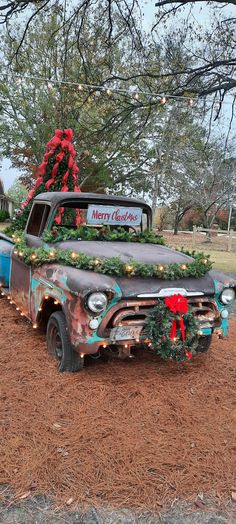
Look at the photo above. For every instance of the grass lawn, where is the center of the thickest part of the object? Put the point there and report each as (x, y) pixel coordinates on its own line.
(224, 261)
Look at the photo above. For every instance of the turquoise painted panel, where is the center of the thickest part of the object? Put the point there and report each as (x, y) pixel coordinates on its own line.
(206, 331)
(5, 264)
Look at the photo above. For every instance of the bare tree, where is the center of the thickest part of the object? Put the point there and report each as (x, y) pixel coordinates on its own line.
(210, 62)
(213, 53)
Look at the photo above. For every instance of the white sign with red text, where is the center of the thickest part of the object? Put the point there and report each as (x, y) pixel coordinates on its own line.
(114, 215)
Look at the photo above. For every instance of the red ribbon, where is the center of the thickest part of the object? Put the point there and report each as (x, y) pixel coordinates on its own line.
(57, 218)
(65, 177)
(55, 170)
(48, 154)
(70, 162)
(38, 182)
(79, 217)
(42, 168)
(75, 169)
(53, 143)
(174, 328)
(178, 305)
(31, 194)
(49, 183)
(188, 354)
(65, 144)
(71, 150)
(60, 156)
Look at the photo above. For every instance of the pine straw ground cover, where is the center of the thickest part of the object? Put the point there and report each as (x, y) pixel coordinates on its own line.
(137, 434)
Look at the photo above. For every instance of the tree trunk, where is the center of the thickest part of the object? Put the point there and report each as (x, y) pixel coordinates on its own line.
(206, 225)
(156, 192)
(176, 224)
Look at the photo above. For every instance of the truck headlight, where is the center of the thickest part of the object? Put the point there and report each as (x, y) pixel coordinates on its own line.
(97, 302)
(227, 296)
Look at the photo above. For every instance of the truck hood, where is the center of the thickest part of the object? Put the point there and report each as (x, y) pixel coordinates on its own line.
(148, 286)
(81, 281)
(146, 253)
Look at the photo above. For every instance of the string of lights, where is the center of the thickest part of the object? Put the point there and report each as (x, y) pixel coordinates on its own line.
(133, 93)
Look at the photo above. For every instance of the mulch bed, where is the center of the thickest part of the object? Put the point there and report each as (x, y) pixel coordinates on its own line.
(134, 434)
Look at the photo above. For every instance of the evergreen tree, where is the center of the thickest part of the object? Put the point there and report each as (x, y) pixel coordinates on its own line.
(57, 172)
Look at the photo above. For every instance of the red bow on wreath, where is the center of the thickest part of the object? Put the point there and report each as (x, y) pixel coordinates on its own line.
(178, 305)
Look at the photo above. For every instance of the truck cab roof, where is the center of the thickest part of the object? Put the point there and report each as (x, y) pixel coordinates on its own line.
(59, 197)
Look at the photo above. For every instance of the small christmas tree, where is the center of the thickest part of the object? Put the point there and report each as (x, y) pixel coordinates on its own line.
(58, 172)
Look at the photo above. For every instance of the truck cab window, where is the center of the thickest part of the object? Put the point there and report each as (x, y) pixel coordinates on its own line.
(38, 219)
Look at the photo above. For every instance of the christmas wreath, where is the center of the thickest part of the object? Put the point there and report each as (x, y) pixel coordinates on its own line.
(172, 329)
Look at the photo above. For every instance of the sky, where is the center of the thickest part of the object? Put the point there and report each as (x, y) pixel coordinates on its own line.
(8, 174)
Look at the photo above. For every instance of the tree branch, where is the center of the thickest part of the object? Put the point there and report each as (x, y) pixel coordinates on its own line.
(162, 3)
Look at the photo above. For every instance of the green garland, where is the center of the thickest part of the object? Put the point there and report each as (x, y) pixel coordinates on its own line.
(105, 233)
(114, 266)
(157, 330)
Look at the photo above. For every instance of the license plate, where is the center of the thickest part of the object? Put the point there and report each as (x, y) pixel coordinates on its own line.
(125, 333)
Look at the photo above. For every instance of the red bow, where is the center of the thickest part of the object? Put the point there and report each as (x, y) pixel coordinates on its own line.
(68, 134)
(178, 305)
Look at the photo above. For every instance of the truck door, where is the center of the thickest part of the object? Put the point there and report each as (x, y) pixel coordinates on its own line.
(20, 280)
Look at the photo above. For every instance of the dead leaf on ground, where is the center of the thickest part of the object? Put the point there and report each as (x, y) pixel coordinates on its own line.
(200, 504)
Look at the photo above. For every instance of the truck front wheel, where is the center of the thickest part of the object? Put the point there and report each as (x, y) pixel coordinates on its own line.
(59, 345)
(204, 344)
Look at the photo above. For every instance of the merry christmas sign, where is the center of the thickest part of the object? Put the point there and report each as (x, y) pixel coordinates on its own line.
(114, 215)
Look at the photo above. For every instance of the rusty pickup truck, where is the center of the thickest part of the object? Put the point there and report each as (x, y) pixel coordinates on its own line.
(86, 310)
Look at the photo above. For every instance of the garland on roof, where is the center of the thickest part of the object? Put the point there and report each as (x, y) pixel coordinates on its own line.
(172, 329)
(114, 266)
(104, 233)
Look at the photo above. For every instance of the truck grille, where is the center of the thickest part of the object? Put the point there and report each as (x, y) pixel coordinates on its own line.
(134, 313)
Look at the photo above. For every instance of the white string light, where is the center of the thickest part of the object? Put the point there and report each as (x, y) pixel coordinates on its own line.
(50, 83)
(109, 91)
(163, 100)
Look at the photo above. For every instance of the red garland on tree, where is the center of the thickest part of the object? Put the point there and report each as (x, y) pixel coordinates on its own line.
(58, 171)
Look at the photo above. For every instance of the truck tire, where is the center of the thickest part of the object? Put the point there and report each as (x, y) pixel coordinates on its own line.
(59, 345)
(204, 344)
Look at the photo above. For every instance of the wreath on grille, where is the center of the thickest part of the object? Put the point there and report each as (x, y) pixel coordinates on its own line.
(172, 329)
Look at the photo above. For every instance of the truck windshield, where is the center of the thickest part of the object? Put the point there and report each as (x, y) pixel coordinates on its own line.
(98, 215)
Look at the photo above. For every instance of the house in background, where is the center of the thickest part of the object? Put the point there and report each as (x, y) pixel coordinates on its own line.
(6, 203)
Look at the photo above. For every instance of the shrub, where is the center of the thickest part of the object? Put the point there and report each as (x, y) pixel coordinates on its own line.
(4, 215)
